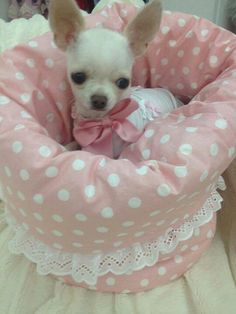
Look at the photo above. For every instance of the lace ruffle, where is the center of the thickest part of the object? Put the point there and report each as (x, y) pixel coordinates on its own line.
(88, 268)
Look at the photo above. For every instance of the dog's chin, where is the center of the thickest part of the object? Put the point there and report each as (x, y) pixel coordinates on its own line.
(91, 113)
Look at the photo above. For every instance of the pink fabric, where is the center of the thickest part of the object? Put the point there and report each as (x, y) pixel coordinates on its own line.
(78, 202)
(95, 135)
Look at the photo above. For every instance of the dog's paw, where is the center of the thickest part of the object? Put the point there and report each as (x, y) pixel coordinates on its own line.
(72, 146)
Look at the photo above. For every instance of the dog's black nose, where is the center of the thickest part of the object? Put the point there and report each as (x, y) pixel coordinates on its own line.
(98, 102)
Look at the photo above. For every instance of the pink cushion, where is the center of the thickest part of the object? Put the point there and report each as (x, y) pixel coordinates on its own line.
(88, 206)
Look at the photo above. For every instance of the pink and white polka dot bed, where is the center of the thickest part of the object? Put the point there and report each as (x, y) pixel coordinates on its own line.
(123, 225)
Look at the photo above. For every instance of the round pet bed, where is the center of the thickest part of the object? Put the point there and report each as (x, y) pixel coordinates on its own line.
(122, 225)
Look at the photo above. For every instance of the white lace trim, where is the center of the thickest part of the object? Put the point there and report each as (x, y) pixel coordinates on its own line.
(88, 268)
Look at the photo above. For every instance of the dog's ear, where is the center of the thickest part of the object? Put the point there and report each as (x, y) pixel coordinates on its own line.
(66, 22)
(142, 29)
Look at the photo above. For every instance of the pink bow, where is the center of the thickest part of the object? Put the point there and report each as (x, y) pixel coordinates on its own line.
(96, 134)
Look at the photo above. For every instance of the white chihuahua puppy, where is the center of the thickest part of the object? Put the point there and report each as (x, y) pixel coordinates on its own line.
(99, 60)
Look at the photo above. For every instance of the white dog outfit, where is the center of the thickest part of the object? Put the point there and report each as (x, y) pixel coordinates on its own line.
(125, 123)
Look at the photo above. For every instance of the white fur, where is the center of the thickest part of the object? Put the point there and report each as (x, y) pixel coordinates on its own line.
(104, 56)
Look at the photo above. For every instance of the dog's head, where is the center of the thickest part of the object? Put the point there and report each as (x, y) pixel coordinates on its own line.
(99, 60)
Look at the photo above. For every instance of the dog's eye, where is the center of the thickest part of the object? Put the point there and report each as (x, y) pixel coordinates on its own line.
(122, 83)
(78, 78)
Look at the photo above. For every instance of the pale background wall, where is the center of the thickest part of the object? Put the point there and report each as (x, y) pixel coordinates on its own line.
(215, 10)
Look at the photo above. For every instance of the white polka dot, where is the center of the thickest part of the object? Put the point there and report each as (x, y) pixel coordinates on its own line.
(194, 85)
(45, 83)
(30, 62)
(154, 213)
(17, 147)
(19, 127)
(186, 70)
(213, 60)
(210, 234)
(107, 212)
(113, 180)
(149, 133)
(38, 216)
(57, 246)
(231, 152)
(127, 223)
(63, 195)
(164, 61)
(60, 106)
(181, 22)
(180, 53)
(180, 86)
(146, 153)
(40, 95)
(197, 116)
(49, 63)
(172, 43)
(201, 65)
(25, 115)
(33, 44)
(204, 176)
(184, 248)
(144, 282)
(195, 248)
(39, 230)
(165, 139)
(63, 86)
(51, 172)
(7, 171)
(181, 171)
(142, 170)
(90, 191)
(50, 117)
(139, 234)
(45, 151)
(196, 232)
(178, 259)
(102, 229)
(21, 195)
(122, 234)
(117, 243)
(24, 174)
(164, 190)
(81, 217)
(102, 162)
(160, 223)
(38, 199)
(204, 32)
(165, 30)
(9, 190)
(135, 202)
(78, 232)
(185, 149)
(22, 211)
(196, 51)
(78, 165)
(99, 241)
(57, 218)
(57, 233)
(147, 224)
(20, 76)
(191, 129)
(221, 124)
(161, 271)
(214, 150)
(77, 244)
(110, 281)
(25, 97)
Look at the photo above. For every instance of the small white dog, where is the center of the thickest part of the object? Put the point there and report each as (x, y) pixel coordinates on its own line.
(99, 64)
